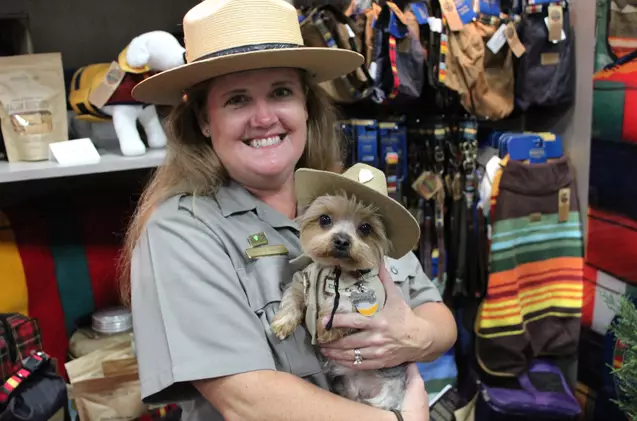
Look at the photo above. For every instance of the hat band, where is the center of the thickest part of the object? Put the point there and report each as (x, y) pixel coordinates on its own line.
(247, 49)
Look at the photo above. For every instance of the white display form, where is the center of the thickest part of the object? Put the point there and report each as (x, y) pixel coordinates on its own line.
(109, 162)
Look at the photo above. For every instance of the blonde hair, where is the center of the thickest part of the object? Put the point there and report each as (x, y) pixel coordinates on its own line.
(192, 166)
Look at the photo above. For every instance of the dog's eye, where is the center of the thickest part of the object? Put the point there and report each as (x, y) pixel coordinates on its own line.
(324, 220)
(365, 229)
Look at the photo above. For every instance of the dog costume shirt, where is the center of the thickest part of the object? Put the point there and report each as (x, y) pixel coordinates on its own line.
(363, 290)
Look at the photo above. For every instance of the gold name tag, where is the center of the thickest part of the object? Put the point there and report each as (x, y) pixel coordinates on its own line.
(264, 251)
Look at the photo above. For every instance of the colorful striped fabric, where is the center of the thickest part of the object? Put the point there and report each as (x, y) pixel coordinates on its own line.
(534, 295)
(58, 261)
(612, 244)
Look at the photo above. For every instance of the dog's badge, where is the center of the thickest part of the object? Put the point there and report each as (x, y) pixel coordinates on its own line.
(365, 176)
(365, 302)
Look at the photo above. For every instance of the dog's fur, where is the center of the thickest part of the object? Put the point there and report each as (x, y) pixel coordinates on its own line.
(382, 388)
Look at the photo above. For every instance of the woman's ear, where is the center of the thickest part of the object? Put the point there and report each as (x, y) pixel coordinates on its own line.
(202, 120)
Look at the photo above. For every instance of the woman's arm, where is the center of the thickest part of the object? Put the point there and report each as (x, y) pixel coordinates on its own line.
(266, 395)
(434, 328)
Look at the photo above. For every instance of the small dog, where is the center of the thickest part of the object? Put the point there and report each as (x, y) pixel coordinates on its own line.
(344, 241)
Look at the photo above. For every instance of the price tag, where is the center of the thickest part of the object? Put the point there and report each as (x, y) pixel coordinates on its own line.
(74, 152)
(514, 42)
(555, 22)
(103, 92)
(435, 25)
(450, 12)
(497, 40)
(428, 184)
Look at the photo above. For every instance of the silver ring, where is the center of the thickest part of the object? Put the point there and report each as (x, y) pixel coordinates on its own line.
(358, 359)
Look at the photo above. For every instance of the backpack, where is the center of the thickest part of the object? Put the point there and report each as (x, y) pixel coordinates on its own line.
(19, 337)
(546, 71)
(543, 395)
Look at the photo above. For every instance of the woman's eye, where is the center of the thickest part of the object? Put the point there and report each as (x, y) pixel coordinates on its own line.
(282, 92)
(325, 220)
(365, 229)
(237, 100)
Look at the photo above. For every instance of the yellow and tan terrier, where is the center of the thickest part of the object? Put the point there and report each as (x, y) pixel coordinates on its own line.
(347, 228)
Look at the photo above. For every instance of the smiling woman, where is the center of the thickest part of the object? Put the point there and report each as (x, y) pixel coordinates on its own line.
(257, 123)
(209, 248)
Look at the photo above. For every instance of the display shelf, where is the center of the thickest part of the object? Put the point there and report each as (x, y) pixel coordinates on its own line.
(109, 162)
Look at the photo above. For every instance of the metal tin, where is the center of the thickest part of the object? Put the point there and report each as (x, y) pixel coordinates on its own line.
(112, 320)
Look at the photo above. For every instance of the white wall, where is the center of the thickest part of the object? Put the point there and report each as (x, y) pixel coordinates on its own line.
(89, 31)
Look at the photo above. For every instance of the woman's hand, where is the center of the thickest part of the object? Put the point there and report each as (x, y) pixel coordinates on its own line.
(391, 337)
(416, 401)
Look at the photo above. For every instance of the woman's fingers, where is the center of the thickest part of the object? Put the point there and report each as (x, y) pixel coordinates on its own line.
(361, 339)
(349, 354)
(350, 321)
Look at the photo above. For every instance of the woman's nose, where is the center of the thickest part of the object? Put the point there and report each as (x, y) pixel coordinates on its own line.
(264, 115)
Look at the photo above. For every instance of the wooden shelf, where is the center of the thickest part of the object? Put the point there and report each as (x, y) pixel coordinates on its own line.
(109, 162)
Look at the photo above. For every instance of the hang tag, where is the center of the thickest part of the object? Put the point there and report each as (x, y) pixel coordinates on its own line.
(450, 13)
(435, 24)
(555, 22)
(514, 42)
(427, 185)
(564, 204)
(563, 35)
(456, 189)
(365, 302)
(103, 92)
(497, 40)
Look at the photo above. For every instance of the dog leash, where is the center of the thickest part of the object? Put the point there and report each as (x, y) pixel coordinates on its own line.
(337, 274)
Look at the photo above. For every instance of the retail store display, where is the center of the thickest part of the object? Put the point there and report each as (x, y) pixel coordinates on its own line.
(440, 112)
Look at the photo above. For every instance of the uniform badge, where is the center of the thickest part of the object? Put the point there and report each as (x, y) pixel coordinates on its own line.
(365, 302)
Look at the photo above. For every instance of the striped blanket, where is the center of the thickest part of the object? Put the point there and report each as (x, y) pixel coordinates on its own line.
(58, 262)
(534, 294)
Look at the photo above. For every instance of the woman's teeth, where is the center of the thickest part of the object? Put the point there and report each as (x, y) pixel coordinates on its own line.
(268, 141)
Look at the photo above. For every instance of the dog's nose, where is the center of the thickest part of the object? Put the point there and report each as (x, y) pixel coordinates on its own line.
(341, 242)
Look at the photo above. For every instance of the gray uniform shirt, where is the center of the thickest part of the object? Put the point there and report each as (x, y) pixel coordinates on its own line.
(201, 308)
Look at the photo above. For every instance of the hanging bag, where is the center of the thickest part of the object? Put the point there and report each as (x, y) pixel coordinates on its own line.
(398, 58)
(546, 71)
(326, 26)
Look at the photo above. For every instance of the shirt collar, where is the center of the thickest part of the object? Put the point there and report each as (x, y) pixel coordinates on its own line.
(233, 198)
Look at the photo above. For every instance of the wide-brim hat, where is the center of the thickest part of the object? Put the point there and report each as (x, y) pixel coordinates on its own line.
(369, 185)
(227, 36)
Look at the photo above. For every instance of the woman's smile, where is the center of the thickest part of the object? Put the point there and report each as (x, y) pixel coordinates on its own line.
(267, 142)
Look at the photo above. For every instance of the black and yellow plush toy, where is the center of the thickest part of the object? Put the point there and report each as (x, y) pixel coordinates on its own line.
(101, 92)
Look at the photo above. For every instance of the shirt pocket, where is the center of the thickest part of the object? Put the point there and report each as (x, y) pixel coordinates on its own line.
(265, 279)
(401, 272)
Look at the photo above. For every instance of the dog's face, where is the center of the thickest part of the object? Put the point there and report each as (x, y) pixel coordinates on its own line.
(338, 230)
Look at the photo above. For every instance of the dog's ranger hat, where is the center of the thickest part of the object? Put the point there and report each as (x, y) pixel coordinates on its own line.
(369, 185)
(227, 36)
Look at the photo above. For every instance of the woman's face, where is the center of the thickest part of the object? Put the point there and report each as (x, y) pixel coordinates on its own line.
(257, 122)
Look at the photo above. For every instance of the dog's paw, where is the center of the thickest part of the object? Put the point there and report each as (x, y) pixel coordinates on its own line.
(283, 325)
(323, 335)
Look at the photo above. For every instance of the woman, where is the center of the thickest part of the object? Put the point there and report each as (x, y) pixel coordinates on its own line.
(247, 113)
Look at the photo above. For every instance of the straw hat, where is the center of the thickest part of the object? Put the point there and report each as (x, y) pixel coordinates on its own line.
(226, 36)
(369, 185)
